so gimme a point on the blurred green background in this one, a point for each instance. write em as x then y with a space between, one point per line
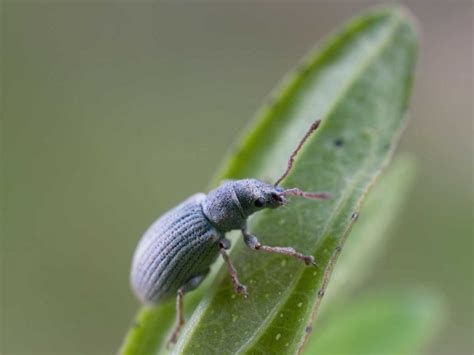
114 112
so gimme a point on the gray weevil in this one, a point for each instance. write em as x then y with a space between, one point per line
176 252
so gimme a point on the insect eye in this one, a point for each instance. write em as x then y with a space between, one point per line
259 202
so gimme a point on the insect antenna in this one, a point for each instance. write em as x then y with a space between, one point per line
311 129
309 195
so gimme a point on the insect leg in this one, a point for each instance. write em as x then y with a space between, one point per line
252 242
238 287
190 285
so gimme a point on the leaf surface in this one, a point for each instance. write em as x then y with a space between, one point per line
367 241
399 323
359 84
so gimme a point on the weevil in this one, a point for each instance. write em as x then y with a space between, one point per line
175 254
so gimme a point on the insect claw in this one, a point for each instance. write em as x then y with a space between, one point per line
242 290
309 260
171 341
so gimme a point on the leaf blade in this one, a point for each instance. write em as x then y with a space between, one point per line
314 91
395 323
269 331
370 232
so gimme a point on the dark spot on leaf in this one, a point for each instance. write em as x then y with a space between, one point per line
339 142
321 293
308 329
355 215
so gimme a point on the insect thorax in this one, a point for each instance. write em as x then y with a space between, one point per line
223 208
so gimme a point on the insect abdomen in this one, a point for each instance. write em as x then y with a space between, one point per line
179 245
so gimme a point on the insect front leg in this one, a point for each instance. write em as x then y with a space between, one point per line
190 285
252 242
239 288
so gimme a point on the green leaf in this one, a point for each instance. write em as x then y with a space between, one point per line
370 233
363 246
359 83
396 323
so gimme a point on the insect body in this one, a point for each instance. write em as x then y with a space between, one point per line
176 252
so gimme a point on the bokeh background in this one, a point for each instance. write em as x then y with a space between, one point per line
114 112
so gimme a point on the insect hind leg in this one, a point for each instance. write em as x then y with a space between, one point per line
190 285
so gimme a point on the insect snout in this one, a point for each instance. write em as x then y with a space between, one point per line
278 197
